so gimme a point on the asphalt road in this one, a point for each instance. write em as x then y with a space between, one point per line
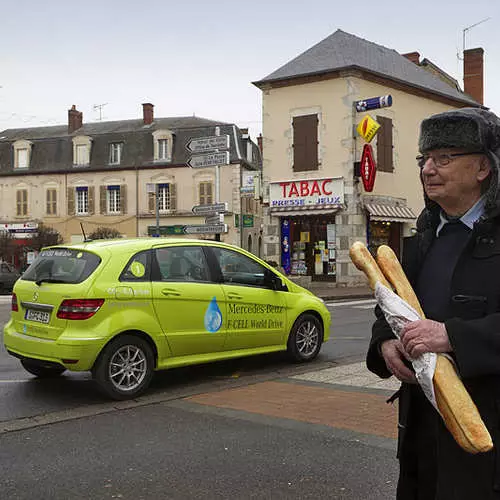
24 396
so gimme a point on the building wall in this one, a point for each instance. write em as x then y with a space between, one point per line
333 101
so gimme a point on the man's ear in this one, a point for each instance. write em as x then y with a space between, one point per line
484 169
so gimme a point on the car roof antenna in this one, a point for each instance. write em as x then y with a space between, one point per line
83 232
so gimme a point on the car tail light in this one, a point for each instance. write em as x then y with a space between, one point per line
14 307
79 308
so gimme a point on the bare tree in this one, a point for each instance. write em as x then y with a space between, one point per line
44 237
104 233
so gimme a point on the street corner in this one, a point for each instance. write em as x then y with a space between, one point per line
354 410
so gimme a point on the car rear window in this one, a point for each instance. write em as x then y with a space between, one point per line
62 265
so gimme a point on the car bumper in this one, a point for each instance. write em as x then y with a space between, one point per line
76 354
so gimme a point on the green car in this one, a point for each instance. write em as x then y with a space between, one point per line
125 308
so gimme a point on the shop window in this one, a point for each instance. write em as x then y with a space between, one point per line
305 143
384 145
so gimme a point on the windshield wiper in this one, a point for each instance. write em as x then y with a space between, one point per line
39 281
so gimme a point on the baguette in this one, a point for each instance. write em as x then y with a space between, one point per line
364 261
459 412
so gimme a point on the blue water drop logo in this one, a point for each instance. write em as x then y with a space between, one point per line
213 317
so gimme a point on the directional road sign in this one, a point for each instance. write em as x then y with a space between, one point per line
204 144
214 219
206 229
209 160
210 209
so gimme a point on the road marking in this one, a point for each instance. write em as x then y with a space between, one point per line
15 381
372 302
334 337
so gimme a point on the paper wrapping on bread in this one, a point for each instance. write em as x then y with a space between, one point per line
435 372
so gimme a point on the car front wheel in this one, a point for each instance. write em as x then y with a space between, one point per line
42 370
125 367
305 338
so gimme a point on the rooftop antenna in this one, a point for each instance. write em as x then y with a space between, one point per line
99 107
465 30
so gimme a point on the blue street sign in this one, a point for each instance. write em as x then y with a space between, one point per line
373 103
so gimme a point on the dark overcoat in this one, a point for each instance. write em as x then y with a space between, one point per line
474 332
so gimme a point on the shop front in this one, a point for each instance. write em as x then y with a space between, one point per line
308 235
385 225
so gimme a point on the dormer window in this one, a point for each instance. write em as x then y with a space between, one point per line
81 150
115 153
162 145
22 154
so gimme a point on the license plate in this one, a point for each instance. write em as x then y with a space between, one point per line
39 316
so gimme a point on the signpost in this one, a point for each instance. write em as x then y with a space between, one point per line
204 144
210 209
214 219
384 101
209 160
206 229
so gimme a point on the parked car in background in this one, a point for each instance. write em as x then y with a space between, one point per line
8 276
125 308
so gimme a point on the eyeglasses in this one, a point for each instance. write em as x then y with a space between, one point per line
443 159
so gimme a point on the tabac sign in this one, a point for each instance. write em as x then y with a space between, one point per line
368 168
306 192
367 128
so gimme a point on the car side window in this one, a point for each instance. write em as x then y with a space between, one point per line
137 268
182 264
239 269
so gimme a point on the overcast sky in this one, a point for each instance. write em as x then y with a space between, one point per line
200 56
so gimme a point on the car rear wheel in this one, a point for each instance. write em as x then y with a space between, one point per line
125 367
305 339
42 370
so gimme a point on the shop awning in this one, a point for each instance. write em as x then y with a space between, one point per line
391 213
305 210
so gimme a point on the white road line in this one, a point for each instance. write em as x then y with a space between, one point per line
16 381
352 303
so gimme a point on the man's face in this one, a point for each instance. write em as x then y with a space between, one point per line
454 181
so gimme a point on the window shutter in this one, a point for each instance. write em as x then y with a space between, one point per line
384 145
305 143
123 198
102 199
151 202
91 199
70 194
48 200
173 197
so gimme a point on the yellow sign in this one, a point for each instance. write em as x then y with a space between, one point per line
304 236
367 128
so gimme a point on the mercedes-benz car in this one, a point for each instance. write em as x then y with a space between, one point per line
123 309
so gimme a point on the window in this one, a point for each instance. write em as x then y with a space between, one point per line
81 150
167 198
305 143
113 200
182 264
51 202
22 158
22 202
239 269
162 145
162 149
138 268
206 190
82 200
384 145
22 153
115 153
81 155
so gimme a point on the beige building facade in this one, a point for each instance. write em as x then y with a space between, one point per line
316 205
131 176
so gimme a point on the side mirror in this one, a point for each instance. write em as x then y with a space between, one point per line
273 281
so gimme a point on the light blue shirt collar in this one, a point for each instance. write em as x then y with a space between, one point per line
469 218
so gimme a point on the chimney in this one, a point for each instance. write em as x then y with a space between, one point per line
75 119
414 57
259 142
147 113
473 73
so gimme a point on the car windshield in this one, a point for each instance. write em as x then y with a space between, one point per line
62 265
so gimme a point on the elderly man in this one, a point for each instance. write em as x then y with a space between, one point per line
453 263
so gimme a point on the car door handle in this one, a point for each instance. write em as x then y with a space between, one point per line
170 291
234 296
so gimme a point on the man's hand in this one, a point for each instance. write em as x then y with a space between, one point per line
394 356
425 335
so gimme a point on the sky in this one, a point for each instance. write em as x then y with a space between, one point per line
199 57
